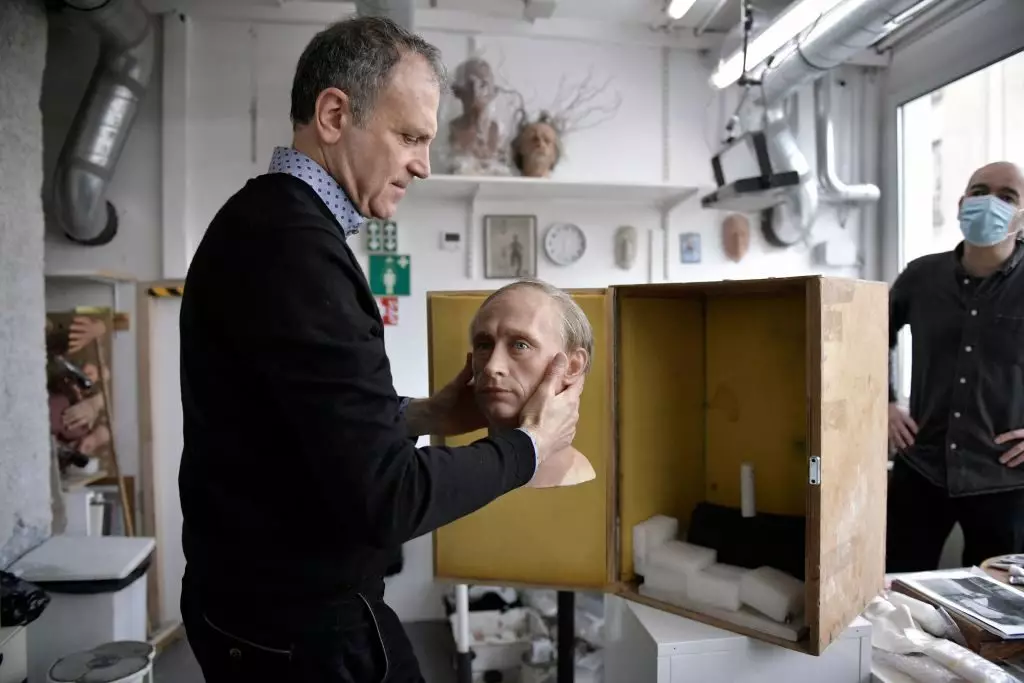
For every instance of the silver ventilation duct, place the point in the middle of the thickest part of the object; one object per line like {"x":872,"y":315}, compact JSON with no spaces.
{"x":104,"y":119}
{"x":832,"y":187}
{"x":399,"y":11}
{"x":837,"y":36}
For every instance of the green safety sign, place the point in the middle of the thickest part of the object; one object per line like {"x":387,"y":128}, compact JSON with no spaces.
{"x":381,"y":236}
{"x":389,"y":274}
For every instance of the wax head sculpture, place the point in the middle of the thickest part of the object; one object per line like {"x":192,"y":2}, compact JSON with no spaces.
{"x":515,"y":335}
{"x":736,"y":236}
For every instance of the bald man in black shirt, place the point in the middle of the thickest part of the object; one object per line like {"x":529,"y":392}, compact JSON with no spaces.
{"x":960,"y":447}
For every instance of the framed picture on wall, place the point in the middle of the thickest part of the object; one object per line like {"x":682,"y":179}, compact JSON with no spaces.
{"x":689,"y":247}
{"x":510,"y":247}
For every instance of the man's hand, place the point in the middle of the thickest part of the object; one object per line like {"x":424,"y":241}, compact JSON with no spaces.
{"x":451,"y":411}
{"x":1015,"y":455}
{"x":551,"y":414}
{"x":902,"y":428}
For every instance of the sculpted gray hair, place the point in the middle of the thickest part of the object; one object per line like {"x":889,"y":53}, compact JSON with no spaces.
{"x":576,"y":330}
{"x":356,"y":56}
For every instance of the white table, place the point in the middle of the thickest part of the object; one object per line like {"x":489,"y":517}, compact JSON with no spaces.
{"x":14,"y":654}
{"x":645,"y":645}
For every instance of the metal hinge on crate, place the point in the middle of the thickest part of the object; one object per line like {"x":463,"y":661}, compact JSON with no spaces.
{"x":815,"y":470}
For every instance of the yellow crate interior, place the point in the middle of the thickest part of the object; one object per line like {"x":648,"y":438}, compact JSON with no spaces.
{"x":707,"y":381}
{"x":551,"y":537}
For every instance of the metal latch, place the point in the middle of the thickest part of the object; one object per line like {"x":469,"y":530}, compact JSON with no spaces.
{"x":815,"y":473}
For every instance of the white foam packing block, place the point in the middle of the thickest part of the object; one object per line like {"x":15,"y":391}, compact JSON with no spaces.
{"x":650,"y":534}
{"x":792,"y":631}
{"x":682,"y":557}
{"x":773,"y":593}
{"x":718,"y":585}
{"x":665,"y":580}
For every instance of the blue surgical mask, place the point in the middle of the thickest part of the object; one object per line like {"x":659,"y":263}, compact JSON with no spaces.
{"x":985,"y":220}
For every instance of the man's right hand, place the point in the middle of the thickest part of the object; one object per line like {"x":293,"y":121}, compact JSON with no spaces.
{"x":551,"y":413}
{"x":902,"y":428}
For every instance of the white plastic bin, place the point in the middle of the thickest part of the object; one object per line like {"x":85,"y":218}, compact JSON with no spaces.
{"x":97,"y":589}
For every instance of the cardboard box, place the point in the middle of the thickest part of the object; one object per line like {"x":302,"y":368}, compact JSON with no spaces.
{"x":690,"y":380}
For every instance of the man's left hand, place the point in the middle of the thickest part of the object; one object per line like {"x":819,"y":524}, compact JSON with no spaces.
{"x":453,"y":409}
{"x":1015,"y":455}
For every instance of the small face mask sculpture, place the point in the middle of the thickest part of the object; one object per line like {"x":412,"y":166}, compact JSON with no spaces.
{"x":515,"y":336}
{"x":987,"y":220}
{"x":536,"y":148}
{"x":735,"y":236}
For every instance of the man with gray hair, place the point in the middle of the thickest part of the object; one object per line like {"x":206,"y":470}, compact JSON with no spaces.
{"x":293,"y":512}
{"x":515,"y":335}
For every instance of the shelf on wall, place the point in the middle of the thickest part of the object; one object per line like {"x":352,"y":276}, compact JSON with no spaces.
{"x":661,"y":196}
{"x":101,"y":276}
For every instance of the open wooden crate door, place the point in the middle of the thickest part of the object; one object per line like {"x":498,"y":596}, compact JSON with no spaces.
{"x":557,"y":537}
{"x":848,"y":372}
{"x":788,"y":374}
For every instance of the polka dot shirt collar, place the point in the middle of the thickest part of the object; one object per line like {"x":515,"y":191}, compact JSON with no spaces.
{"x":297,"y":164}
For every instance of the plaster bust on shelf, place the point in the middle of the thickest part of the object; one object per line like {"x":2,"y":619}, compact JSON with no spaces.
{"x":515,"y":335}
{"x":537,"y":146}
{"x":474,"y":136}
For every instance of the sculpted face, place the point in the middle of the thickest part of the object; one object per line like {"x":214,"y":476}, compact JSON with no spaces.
{"x":515,"y":337}
{"x":736,"y":236}
{"x":537,"y":145}
{"x":376,"y":161}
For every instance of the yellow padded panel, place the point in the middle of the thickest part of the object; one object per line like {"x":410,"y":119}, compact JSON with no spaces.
{"x":548,"y":537}
{"x":757,"y":399}
{"x":660,"y":412}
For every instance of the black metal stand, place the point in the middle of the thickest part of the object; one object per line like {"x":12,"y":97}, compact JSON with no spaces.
{"x":566,"y":637}
{"x":464,"y":667}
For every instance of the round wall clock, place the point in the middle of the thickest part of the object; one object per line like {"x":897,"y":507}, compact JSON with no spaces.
{"x":564,"y":243}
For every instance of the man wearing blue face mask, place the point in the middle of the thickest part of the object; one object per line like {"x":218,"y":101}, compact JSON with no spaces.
{"x":960,"y":445}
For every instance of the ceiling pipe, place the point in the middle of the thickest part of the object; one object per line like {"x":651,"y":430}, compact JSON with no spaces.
{"x":836,"y":37}
{"x":104,"y":119}
{"x":832,"y":188}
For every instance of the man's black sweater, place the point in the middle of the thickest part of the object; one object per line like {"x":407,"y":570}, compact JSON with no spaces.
{"x":298,"y":479}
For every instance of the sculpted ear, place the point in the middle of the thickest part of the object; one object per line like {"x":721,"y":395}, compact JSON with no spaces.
{"x":577,"y":363}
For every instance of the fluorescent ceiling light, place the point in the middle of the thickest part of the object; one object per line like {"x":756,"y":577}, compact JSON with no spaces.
{"x":677,"y":9}
{"x":796,"y":19}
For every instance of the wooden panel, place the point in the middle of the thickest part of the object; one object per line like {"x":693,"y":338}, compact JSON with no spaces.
{"x":660,"y":386}
{"x":757,"y":399}
{"x":550,"y":537}
{"x":848,"y":373}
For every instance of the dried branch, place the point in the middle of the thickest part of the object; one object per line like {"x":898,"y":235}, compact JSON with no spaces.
{"x":579,"y":107}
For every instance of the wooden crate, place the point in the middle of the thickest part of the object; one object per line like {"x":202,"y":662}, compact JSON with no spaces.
{"x":690,"y":380}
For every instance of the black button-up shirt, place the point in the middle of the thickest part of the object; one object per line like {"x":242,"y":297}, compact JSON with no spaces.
{"x":967,"y":375}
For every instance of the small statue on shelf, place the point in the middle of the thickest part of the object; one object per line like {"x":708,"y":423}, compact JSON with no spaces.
{"x":538,"y":143}
{"x":475,"y":136}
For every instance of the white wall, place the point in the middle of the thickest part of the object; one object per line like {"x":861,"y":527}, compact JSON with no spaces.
{"x":228,"y":107}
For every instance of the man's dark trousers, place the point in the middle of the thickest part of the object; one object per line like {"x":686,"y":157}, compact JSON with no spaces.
{"x":921,"y":515}
{"x":354,"y":639}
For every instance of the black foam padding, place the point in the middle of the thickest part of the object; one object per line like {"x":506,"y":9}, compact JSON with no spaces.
{"x":764,"y":540}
